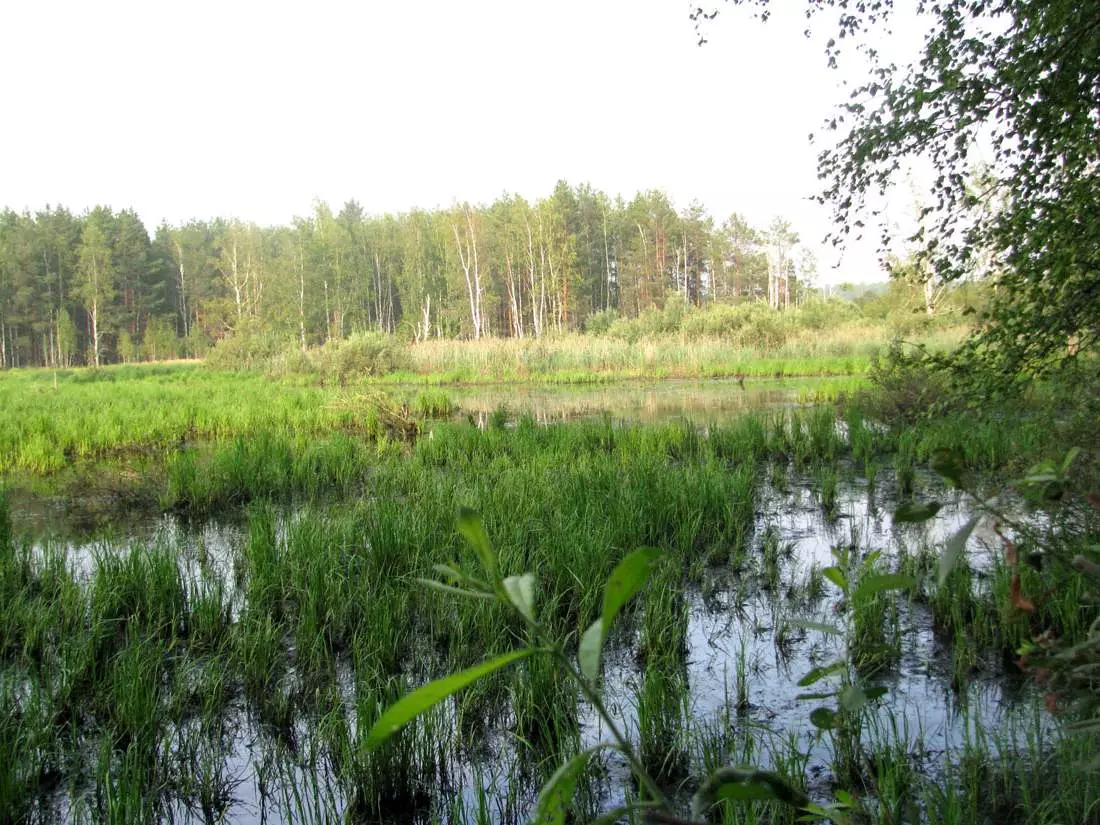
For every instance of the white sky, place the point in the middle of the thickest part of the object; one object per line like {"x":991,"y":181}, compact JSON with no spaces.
{"x":256,"y":109}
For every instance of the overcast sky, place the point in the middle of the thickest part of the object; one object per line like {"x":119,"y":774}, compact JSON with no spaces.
{"x":255,"y":109}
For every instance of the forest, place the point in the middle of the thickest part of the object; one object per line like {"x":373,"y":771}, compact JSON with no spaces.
{"x":99,"y":288}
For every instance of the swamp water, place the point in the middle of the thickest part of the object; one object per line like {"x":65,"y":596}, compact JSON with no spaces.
{"x":699,"y":676}
{"x":641,"y":401}
{"x":735,"y":700}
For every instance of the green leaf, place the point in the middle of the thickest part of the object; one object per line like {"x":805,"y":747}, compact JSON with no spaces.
{"x":741,"y":784}
{"x":471,"y":529}
{"x":1068,"y":460}
{"x":628,"y":577}
{"x":408,"y":707}
{"x":910,"y":513}
{"x":521,"y":593}
{"x":815,"y":813}
{"x":954,"y":548}
{"x":836,"y":576}
{"x":948,"y":465}
{"x":808,"y":625}
{"x":1084,"y":726}
{"x":588,"y":652}
{"x":807,"y":696}
{"x":449,"y":572}
{"x":823,"y":718}
{"x":457,"y":591}
{"x":870,"y":585}
{"x":852,"y":698}
{"x":557,"y":794}
{"x":819,"y":673}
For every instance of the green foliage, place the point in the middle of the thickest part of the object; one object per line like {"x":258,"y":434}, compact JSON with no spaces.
{"x":1066,"y":653}
{"x":656,"y":759}
{"x":1028,"y":218}
{"x":98,"y":284}
{"x":248,"y":346}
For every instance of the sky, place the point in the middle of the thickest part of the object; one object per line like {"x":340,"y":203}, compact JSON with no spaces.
{"x":255,"y":110}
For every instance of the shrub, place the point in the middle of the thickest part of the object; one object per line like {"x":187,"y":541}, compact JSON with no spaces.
{"x":368,"y":353}
{"x":248,"y":346}
{"x":828,"y":313}
{"x":599,"y":323}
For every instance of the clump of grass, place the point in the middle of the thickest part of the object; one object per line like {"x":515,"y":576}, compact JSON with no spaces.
{"x":827,"y":491}
{"x":433,"y":403}
{"x":661,"y":702}
{"x":663,"y":642}
{"x":904,"y":462}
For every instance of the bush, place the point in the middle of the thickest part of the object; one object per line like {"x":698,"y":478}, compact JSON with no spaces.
{"x":249,"y":346}
{"x":907,"y":387}
{"x":368,"y":353}
{"x":828,"y":313}
{"x":598,"y":323}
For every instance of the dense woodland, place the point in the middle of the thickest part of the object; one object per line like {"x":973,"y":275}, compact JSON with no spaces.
{"x":98,"y":288}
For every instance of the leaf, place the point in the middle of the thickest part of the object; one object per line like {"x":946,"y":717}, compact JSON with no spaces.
{"x":588,"y":652}
{"x":911,"y":513}
{"x":855,"y":696}
{"x":457,"y":591}
{"x":741,"y":784}
{"x":836,"y":576}
{"x":1068,"y":460}
{"x":819,"y":626}
{"x":1084,"y":726}
{"x":521,"y":593}
{"x":823,"y":718}
{"x":628,"y":577}
{"x":954,"y":547}
{"x":470,"y":527}
{"x":819,"y":673}
{"x":870,"y":585}
{"x":411,"y":705}
{"x":806,"y":696}
{"x":852,"y":698}
{"x":557,"y":794}
{"x":447,"y":571}
{"x":948,"y":465}
{"x":816,"y":813}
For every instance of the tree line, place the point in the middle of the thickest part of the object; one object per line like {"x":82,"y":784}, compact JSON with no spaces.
{"x":97,"y":288}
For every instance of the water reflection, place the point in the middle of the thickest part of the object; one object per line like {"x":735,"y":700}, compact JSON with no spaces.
{"x":643,"y":401}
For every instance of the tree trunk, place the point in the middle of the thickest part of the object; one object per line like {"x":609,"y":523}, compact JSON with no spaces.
{"x":183,"y":290}
{"x":532,"y":279}
{"x":301,"y":298}
{"x":468,"y":260}
{"x":607,"y":263}
{"x":95,"y":330}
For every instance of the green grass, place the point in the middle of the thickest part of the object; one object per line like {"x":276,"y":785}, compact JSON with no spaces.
{"x":313,"y":621}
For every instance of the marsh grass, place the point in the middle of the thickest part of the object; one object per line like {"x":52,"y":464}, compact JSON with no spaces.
{"x":316,"y":622}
